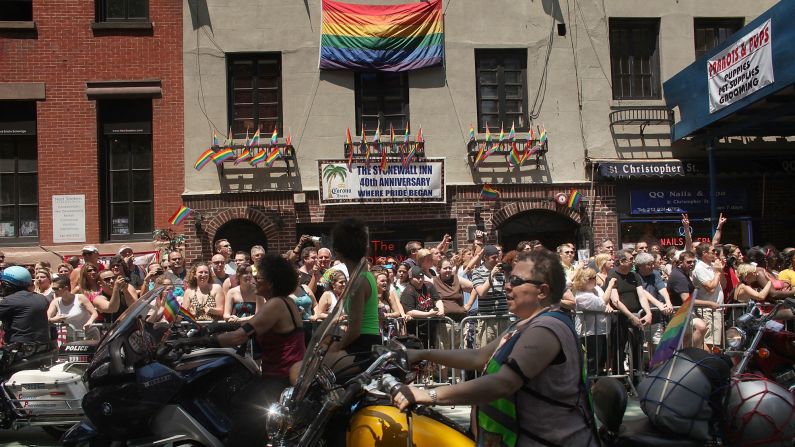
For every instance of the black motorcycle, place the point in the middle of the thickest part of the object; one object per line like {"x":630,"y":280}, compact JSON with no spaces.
{"x":141,"y":394}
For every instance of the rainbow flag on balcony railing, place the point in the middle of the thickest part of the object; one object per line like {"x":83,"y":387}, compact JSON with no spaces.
{"x":381,"y":37}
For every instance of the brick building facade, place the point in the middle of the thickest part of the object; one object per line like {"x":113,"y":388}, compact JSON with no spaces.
{"x":96,"y":83}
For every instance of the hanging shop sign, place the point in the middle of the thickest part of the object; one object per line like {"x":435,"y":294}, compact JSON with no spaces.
{"x":686,"y":200}
{"x":741,"y":69}
{"x":419,"y":182}
{"x":632,"y":169}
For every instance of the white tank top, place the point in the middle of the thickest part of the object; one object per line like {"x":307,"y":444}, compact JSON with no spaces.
{"x":76,"y":314}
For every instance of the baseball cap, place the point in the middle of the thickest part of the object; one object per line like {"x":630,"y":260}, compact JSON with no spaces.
{"x":90,"y":249}
{"x":415,"y":272}
{"x":490,"y":250}
{"x":125,"y":247}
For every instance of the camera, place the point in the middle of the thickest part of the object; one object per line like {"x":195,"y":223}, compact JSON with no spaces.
{"x":506,"y":267}
{"x":127,"y":279}
{"x":314,"y":239}
{"x":731,"y":261}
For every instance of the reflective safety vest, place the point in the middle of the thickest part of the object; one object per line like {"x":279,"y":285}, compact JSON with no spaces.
{"x":498,"y":424}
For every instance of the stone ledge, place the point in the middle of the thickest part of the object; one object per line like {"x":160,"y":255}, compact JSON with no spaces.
{"x":17,"y":25}
{"x":108,"y":26}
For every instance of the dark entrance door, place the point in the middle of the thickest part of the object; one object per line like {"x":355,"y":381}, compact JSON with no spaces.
{"x":549,"y":227}
{"x":242,"y":234}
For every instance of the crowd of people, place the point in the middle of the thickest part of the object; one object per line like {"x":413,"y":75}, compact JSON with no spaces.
{"x":622,"y":297}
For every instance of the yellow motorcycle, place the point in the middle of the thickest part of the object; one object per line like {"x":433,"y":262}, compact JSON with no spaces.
{"x":324,"y":409}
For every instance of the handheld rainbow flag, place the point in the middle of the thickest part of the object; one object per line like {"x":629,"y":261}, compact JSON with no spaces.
{"x":471,"y":133}
{"x":203,"y":159}
{"x":274,"y":136}
{"x":179,"y":215}
{"x":259,"y":158}
{"x":489,"y":193}
{"x":215,"y":139}
{"x":512,"y":133}
{"x":349,"y":143}
{"x":170,"y":307}
{"x":272,"y":156}
{"x":223,"y":155}
{"x":391,"y":38}
{"x":574,"y":199}
{"x":671,"y":339}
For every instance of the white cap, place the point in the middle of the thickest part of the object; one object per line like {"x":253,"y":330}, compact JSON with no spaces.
{"x":90,"y":249}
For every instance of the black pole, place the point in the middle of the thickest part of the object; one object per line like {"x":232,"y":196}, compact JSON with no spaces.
{"x":713,"y":205}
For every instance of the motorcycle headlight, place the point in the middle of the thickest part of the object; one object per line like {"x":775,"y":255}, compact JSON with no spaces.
{"x":277,"y":421}
{"x":735,"y":337}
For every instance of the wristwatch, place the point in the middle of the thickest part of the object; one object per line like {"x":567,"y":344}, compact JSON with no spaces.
{"x":432,"y":393}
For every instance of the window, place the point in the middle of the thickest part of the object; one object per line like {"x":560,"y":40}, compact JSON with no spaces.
{"x":19,"y":180}
{"x":502,"y":88}
{"x":710,"y":32}
{"x":634,"y":58}
{"x":127,"y":193}
{"x":382,"y":99}
{"x":16,"y":10}
{"x":255,"y":93}
{"x":122,"y":10}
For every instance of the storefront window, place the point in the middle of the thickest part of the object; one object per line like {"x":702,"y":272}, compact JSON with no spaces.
{"x":670,"y":232}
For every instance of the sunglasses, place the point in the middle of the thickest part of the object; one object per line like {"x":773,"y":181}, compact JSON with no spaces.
{"x":90,"y":271}
{"x":516,"y":281}
{"x":55,"y":289}
{"x":108,"y":279}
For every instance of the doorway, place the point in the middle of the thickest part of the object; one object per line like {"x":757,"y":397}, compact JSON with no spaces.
{"x":549,"y":227}
{"x":242,"y":234}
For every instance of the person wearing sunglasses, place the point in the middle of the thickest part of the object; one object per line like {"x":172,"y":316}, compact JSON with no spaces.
{"x":534,"y":367}
{"x":680,"y":287}
{"x":75,"y":311}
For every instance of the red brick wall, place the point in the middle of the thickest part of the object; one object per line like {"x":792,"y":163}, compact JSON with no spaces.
{"x":64,"y":53}
{"x":262,"y":208}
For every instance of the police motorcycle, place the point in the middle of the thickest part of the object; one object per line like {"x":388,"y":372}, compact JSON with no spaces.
{"x":325,"y":408}
{"x":144,"y":392}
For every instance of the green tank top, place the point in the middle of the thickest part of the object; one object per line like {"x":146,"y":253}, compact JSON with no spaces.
{"x":370,"y":318}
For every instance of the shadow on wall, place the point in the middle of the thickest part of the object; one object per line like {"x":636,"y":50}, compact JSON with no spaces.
{"x":495,"y":170}
{"x":552,"y":8}
{"x":199,"y":14}
{"x":245,"y":178}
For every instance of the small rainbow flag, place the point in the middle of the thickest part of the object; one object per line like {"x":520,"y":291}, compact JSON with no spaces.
{"x":377,"y":136}
{"x":365,"y":147}
{"x":215,"y":139}
{"x":574,"y":199}
{"x":245,"y":155}
{"x":514,"y":158}
{"x":259,"y":158}
{"x":420,"y":139}
{"x":481,"y":153}
{"x":203,"y":159}
{"x":247,"y":142}
{"x":274,"y":136}
{"x":406,"y":137}
{"x":383,"y":163}
{"x":349,"y":143}
{"x":255,"y":140}
{"x":542,"y":136}
{"x":410,"y":155}
{"x":512,"y":133}
{"x":671,"y":339}
{"x":170,"y":307}
{"x":488,"y":135}
{"x":272,"y":156}
{"x":471,"y":133}
{"x":502,"y":134}
{"x":223,"y":155}
{"x":489,"y":193}
{"x":391,"y":136}
{"x":289,"y":140}
{"x":180,"y":215}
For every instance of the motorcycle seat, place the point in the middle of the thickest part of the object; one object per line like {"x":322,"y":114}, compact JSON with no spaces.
{"x":641,"y":433}
{"x":33,"y":362}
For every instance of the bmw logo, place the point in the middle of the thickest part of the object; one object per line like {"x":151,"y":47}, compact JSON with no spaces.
{"x":107,"y":408}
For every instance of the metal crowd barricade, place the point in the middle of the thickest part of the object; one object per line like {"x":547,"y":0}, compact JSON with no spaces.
{"x":435,"y":332}
{"x":493,"y":325}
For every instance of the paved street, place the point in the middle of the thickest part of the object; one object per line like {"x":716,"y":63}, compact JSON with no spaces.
{"x":33,"y":437}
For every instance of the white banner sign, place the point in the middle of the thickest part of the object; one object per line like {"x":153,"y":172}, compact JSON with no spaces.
{"x":741,"y":69}
{"x":69,"y":218}
{"x":422,"y":181}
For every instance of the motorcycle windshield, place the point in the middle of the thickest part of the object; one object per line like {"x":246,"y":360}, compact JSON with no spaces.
{"x":323,"y":335}
{"x":125,"y":323}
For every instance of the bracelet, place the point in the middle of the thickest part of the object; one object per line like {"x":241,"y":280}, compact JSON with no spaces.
{"x":434,"y":397}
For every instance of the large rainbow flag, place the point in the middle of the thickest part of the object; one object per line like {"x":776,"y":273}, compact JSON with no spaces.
{"x":671,"y":340}
{"x":381,"y":37}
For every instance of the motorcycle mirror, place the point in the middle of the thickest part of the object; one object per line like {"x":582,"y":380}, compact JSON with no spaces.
{"x":403,"y":356}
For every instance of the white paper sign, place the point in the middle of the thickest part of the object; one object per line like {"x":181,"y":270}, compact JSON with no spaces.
{"x":69,"y":218}
{"x":421,"y":181}
{"x":741,"y":69}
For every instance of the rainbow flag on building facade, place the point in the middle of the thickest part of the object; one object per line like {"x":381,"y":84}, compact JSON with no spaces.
{"x":179,"y":215}
{"x":391,"y":38}
{"x":489,"y":192}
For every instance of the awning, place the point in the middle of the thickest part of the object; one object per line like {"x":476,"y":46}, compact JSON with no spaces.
{"x":743,"y":87}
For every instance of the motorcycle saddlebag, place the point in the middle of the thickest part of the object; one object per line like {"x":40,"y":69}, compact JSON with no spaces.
{"x":684,"y":395}
{"x":51,"y":392}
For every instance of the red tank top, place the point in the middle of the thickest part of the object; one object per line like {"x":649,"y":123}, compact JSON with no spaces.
{"x":281,"y":351}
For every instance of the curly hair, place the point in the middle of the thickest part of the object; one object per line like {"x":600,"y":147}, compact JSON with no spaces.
{"x":580,"y":279}
{"x":191,"y":278}
{"x":279,"y":272}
